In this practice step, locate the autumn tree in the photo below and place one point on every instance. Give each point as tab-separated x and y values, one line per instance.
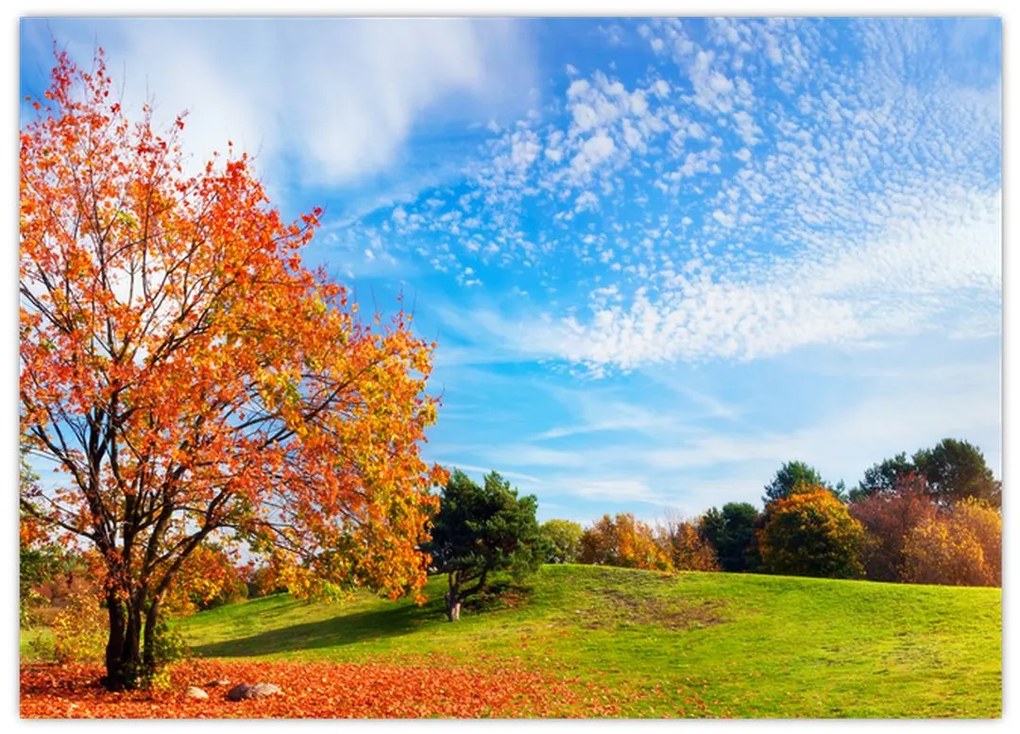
731	532
562	540
810	533
480	530
191	378
623	541
983	522
888	516
958	546
685	547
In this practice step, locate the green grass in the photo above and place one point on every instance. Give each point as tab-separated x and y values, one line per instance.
706	644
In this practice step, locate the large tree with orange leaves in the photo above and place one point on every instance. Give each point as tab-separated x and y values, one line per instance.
191	378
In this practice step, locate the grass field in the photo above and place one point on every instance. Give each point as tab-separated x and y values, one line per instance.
694	644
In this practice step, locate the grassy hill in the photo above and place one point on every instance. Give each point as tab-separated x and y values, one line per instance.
745	645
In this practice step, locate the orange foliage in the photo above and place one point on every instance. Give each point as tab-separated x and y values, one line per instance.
623	541
209	576
188	373
984	522
686	549
959	547
320	690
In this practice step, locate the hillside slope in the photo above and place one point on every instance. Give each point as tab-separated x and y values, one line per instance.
745	645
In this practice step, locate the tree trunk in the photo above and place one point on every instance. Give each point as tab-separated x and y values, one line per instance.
452	605
123	653
149	651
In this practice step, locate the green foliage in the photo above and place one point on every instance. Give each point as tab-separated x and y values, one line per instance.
731	532
953	470
169	647
480	530
562	540
810	533
956	470
42	564
792	477
882	477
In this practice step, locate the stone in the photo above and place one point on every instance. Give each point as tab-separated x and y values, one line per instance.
196	692
215	683
243	691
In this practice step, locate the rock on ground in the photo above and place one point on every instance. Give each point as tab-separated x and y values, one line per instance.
244	691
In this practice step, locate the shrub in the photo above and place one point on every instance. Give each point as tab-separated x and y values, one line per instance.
80	629
169	648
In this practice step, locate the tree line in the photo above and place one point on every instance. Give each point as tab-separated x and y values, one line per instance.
931	518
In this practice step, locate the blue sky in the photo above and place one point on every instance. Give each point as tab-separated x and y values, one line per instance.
660	257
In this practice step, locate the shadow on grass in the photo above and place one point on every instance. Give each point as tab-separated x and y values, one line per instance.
345	629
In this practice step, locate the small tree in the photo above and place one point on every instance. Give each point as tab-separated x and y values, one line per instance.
731	532
210	577
810	533
562	540
480	530
624	541
686	548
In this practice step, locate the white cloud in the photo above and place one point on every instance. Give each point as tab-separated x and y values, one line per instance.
749	132
524	151
726	220
339	96
900	283
712	89
594	151
585	117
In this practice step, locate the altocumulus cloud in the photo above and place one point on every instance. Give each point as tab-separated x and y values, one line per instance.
763	185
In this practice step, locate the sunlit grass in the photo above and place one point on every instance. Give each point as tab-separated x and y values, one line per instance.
743	645
691	644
